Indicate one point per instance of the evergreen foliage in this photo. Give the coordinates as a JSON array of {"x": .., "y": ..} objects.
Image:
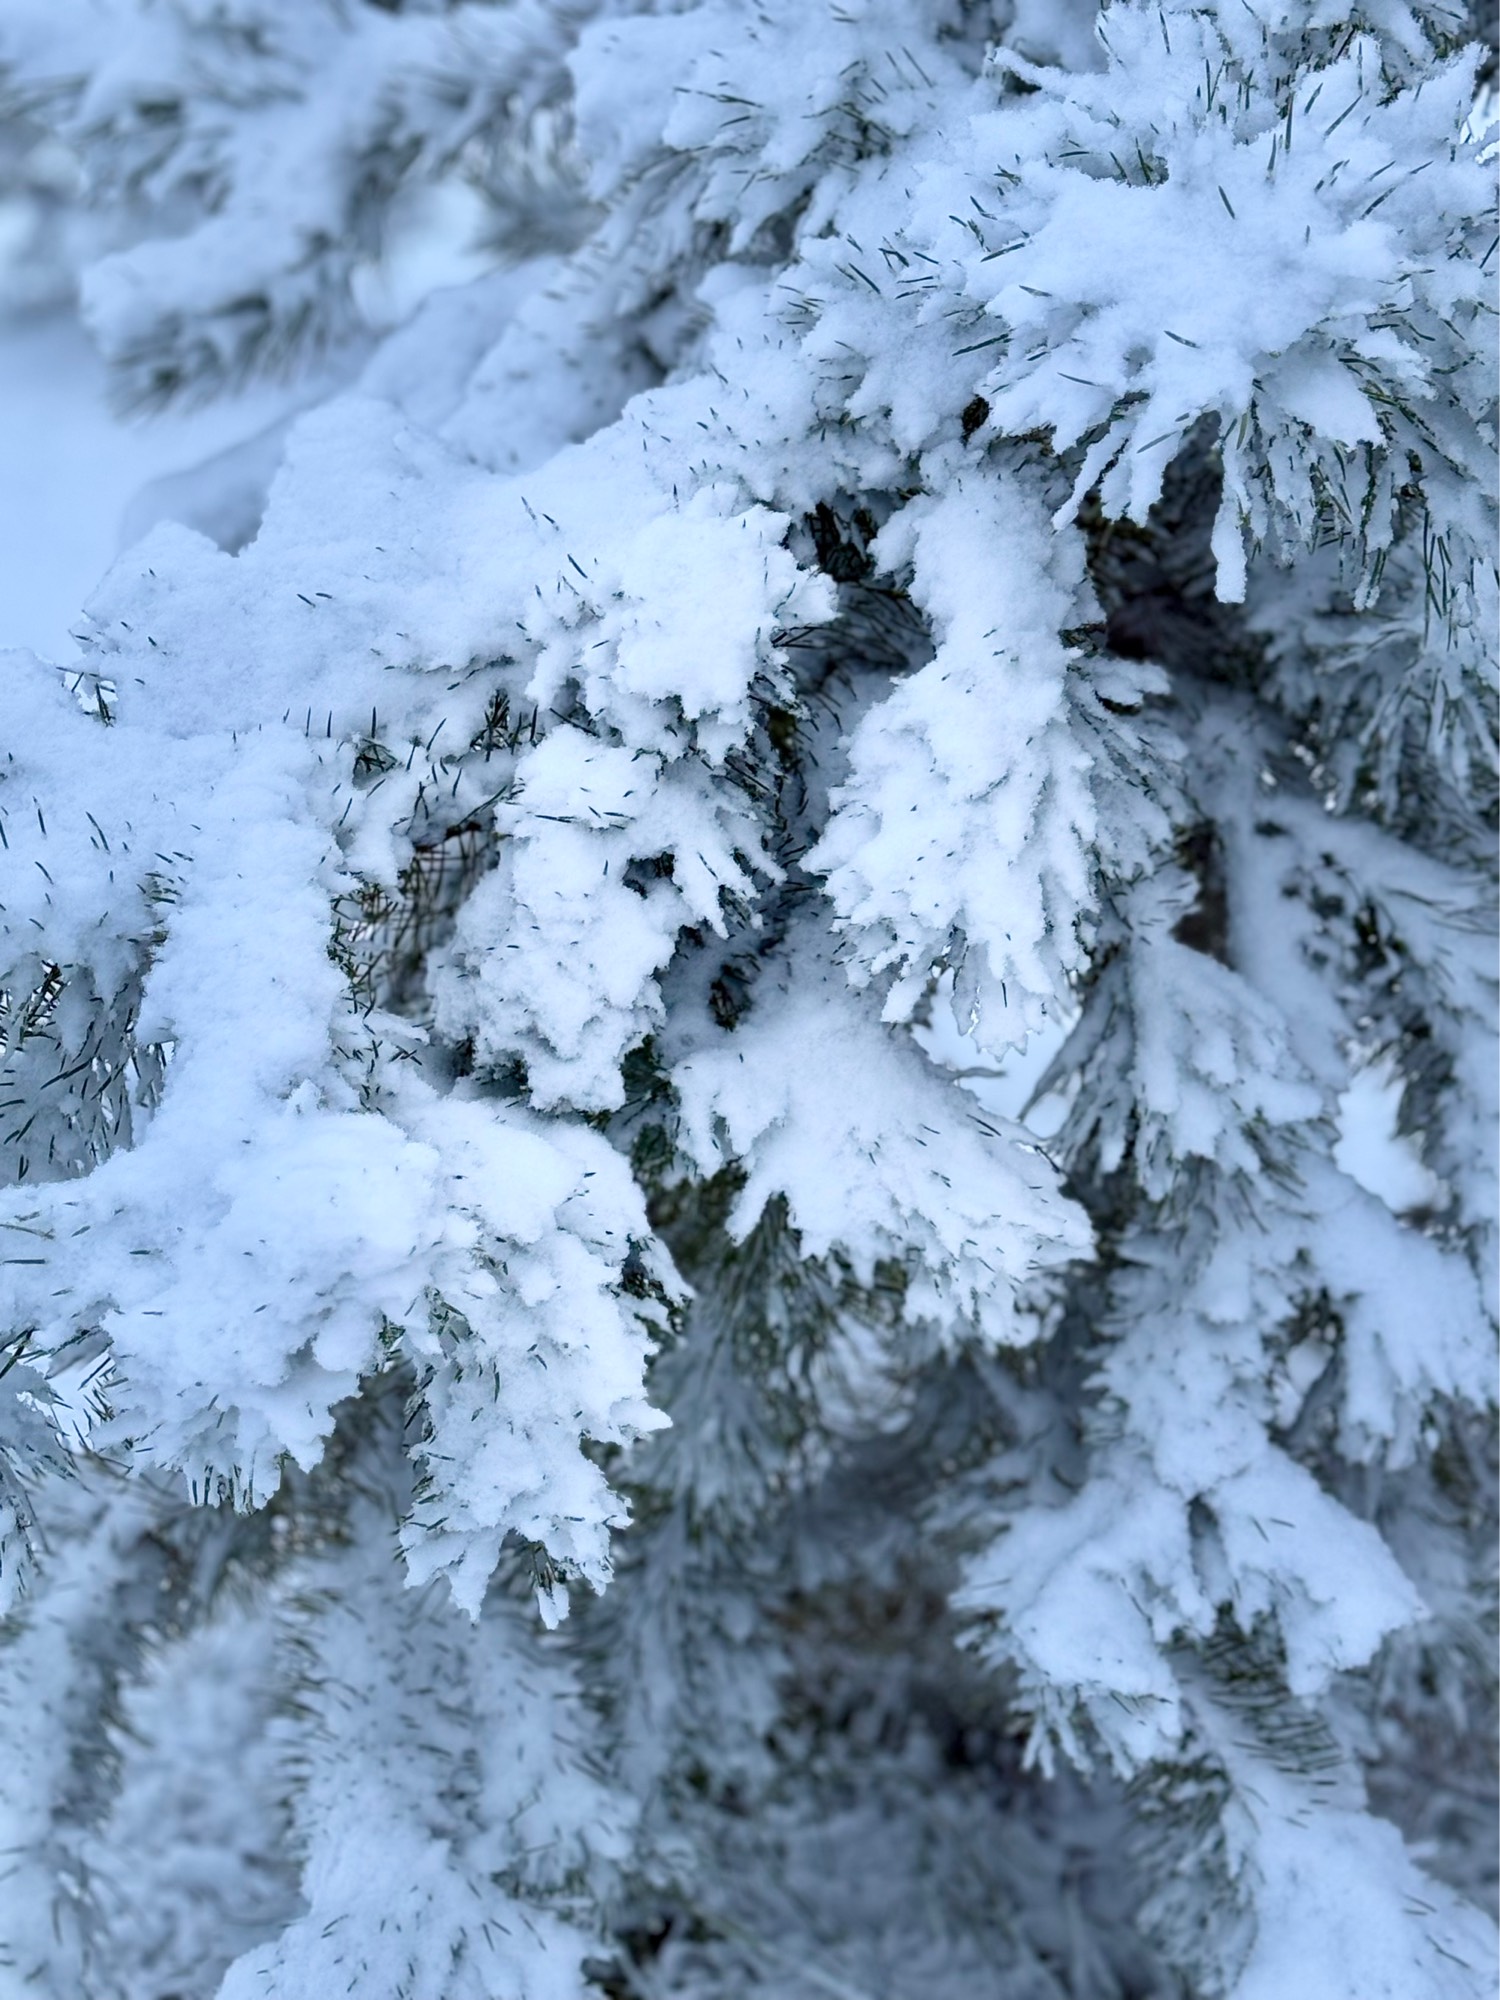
[{"x": 615, "y": 1459}]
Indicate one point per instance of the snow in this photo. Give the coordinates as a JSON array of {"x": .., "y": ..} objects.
[
  {"x": 877, "y": 1154},
  {"x": 1008, "y": 1083},
  {"x": 596, "y": 816},
  {"x": 1373, "y": 1150}
]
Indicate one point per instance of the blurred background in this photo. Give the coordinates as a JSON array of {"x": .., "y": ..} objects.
[{"x": 80, "y": 480}]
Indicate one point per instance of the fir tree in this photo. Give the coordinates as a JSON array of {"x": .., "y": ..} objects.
[{"x": 617, "y": 1459}]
